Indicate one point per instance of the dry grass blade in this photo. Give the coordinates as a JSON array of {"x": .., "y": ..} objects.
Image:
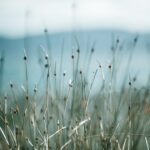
[
  {"x": 124, "y": 144},
  {"x": 147, "y": 145},
  {"x": 67, "y": 143},
  {"x": 3, "y": 133},
  {"x": 80, "y": 124},
  {"x": 58, "y": 131}
]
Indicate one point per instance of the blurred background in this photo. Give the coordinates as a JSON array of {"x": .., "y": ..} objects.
[{"x": 63, "y": 26}]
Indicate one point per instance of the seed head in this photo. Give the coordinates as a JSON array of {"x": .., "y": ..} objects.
[
  {"x": 135, "y": 39},
  {"x": 25, "y": 112},
  {"x": 46, "y": 56},
  {"x": 11, "y": 84},
  {"x": 65, "y": 98},
  {"x": 25, "y": 57},
  {"x": 45, "y": 30},
  {"x": 41, "y": 110},
  {"x": 35, "y": 89},
  {"x": 129, "y": 108},
  {"x": 47, "y": 75},
  {"x": 64, "y": 73},
  {"x": 112, "y": 48},
  {"x": 43, "y": 117},
  {"x": 100, "y": 66},
  {"x": 16, "y": 111},
  {"x": 50, "y": 117},
  {"x": 117, "y": 41},
  {"x": 110, "y": 66},
  {"x": 134, "y": 79},
  {"x": 80, "y": 72},
  {"x": 46, "y": 65},
  {"x": 5, "y": 97},
  {"x": 78, "y": 50},
  {"x": 72, "y": 56},
  {"x": 92, "y": 50},
  {"x": 27, "y": 97},
  {"x": 1, "y": 59},
  {"x": 99, "y": 118}
]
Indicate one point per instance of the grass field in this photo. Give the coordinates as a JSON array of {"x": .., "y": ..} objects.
[{"x": 65, "y": 115}]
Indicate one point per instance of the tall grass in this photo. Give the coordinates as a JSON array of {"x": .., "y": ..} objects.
[{"x": 66, "y": 115}]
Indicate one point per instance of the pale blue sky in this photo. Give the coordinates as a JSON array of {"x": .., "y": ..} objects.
[{"x": 16, "y": 16}]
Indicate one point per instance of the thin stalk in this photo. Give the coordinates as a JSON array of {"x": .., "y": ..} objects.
[
  {"x": 3, "y": 133},
  {"x": 90, "y": 91},
  {"x": 60, "y": 69},
  {"x": 5, "y": 111},
  {"x": 90, "y": 57},
  {"x": 67, "y": 99},
  {"x": 47, "y": 106}
]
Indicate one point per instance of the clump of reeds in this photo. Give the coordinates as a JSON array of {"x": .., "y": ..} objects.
[{"x": 69, "y": 116}]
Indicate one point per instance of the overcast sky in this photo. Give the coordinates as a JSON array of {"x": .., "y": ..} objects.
[{"x": 32, "y": 16}]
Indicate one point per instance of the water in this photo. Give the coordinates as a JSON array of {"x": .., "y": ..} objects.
[{"x": 101, "y": 41}]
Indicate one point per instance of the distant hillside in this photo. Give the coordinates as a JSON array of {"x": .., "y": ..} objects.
[{"x": 101, "y": 41}]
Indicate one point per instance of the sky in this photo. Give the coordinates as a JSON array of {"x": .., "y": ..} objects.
[{"x": 19, "y": 17}]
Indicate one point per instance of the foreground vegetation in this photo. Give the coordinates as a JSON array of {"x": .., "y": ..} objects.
[{"x": 66, "y": 115}]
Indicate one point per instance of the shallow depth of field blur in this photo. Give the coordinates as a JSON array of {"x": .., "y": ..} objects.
[{"x": 74, "y": 75}]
